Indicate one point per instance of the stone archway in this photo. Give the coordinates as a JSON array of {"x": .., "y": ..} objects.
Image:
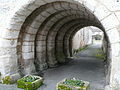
[{"x": 43, "y": 24}]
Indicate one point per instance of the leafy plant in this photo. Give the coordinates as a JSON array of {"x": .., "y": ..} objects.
[
  {"x": 7, "y": 80},
  {"x": 74, "y": 82},
  {"x": 30, "y": 78}
]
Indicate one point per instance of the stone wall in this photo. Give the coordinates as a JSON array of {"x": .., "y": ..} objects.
[{"x": 41, "y": 31}]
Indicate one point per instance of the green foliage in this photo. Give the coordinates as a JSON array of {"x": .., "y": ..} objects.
[
  {"x": 80, "y": 49},
  {"x": 7, "y": 80},
  {"x": 30, "y": 79},
  {"x": 100, "y": 54},
  {"x": 72, "y": 82}
]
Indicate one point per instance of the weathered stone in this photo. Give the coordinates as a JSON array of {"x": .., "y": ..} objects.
[{"x": 37, "y": 34}]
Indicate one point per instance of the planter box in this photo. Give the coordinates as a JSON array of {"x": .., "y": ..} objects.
[
  {"x": 7, "y": 80},
  {"x": 30, "y": 85},
  {"x": 11, "y": 79},
  {"x": 62, "y": 86}
]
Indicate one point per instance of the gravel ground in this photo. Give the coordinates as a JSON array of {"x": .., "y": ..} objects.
[{"x": 87, "y": 67}]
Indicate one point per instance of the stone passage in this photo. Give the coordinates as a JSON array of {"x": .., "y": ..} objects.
[
  {"x": 86, "y": 67},
  {"x": 37, "y": 34}
]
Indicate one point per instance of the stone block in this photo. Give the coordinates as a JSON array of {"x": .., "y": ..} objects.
[
  {"x": 41, "y": 18},
  {"x": 8, "y": 64},
  {"x": 101, "y": 12},
  {"x": 51, "y": 10},
  {"x": 18, "y": 19},
  {"x": 66, "y": 6},
  {"x": 10, "y": 34},
  {"x": 29, "y": 55},
  {"x": 39, "y": 2},
  {"x": 31, "y": 30},
  {"x": 7, "y": 51},
  {"x": 118, "y": 15},
  {"x": 74, "y": 6},
  {"x": 115, "y": 49},
  {"x": 15, "y": 26},
  {"x": 29, "y": 37},
  {"x": 110, "y": 22},
  {"x": 41, "y": 43},
  {"x": 35, "y": 24},
  {"x": 113, "y": 35},
  {"x": 28, "y": 43},
  {"x": 112, "y": 5},
  {"x": 8, "y": 43},
  {"x": 45, "y": 14},
  {"x": 26, "y": 49},
  {"x": 57, "y": 6}
]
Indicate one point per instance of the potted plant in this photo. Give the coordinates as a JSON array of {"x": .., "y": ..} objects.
[
  {"x": 73, "y": 84},
  {"x": 30, "y": 82}
]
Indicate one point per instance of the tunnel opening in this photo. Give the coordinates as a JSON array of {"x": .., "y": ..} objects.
[
  {"x": 88, "y": 36},
  {"x": 45, "y": 38},
  {"x": 45, "y": 31},
  {"x": 42, "y": 30}
]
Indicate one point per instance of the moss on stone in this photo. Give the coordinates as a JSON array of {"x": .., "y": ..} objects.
[
  {"x": 80, "y": 49},
  {"x": 100, "y": 54}
]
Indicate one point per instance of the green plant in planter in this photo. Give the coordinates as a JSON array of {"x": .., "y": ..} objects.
[
  {"x": 73, "y": 84},
  {"x": 78, "y": 83},
  {"x": 30, "y": 78},
  {"x": 30, "y": 82},
  {"x": 7, "y": 80}
]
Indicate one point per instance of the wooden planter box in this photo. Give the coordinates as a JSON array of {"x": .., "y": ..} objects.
[
  {"x": 30, "y": 85},
  {"x": 62, "y": 86}
]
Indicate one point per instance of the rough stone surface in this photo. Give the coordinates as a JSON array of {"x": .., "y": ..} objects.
[{"x": 25, "y": 22}]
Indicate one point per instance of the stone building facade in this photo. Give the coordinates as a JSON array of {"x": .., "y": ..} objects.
[
  {"x": 82, "y": 38},
  {"x": 37, "y": 34}
]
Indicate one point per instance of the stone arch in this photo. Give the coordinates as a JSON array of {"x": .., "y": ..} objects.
[{"x": 11, "y": 36}]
